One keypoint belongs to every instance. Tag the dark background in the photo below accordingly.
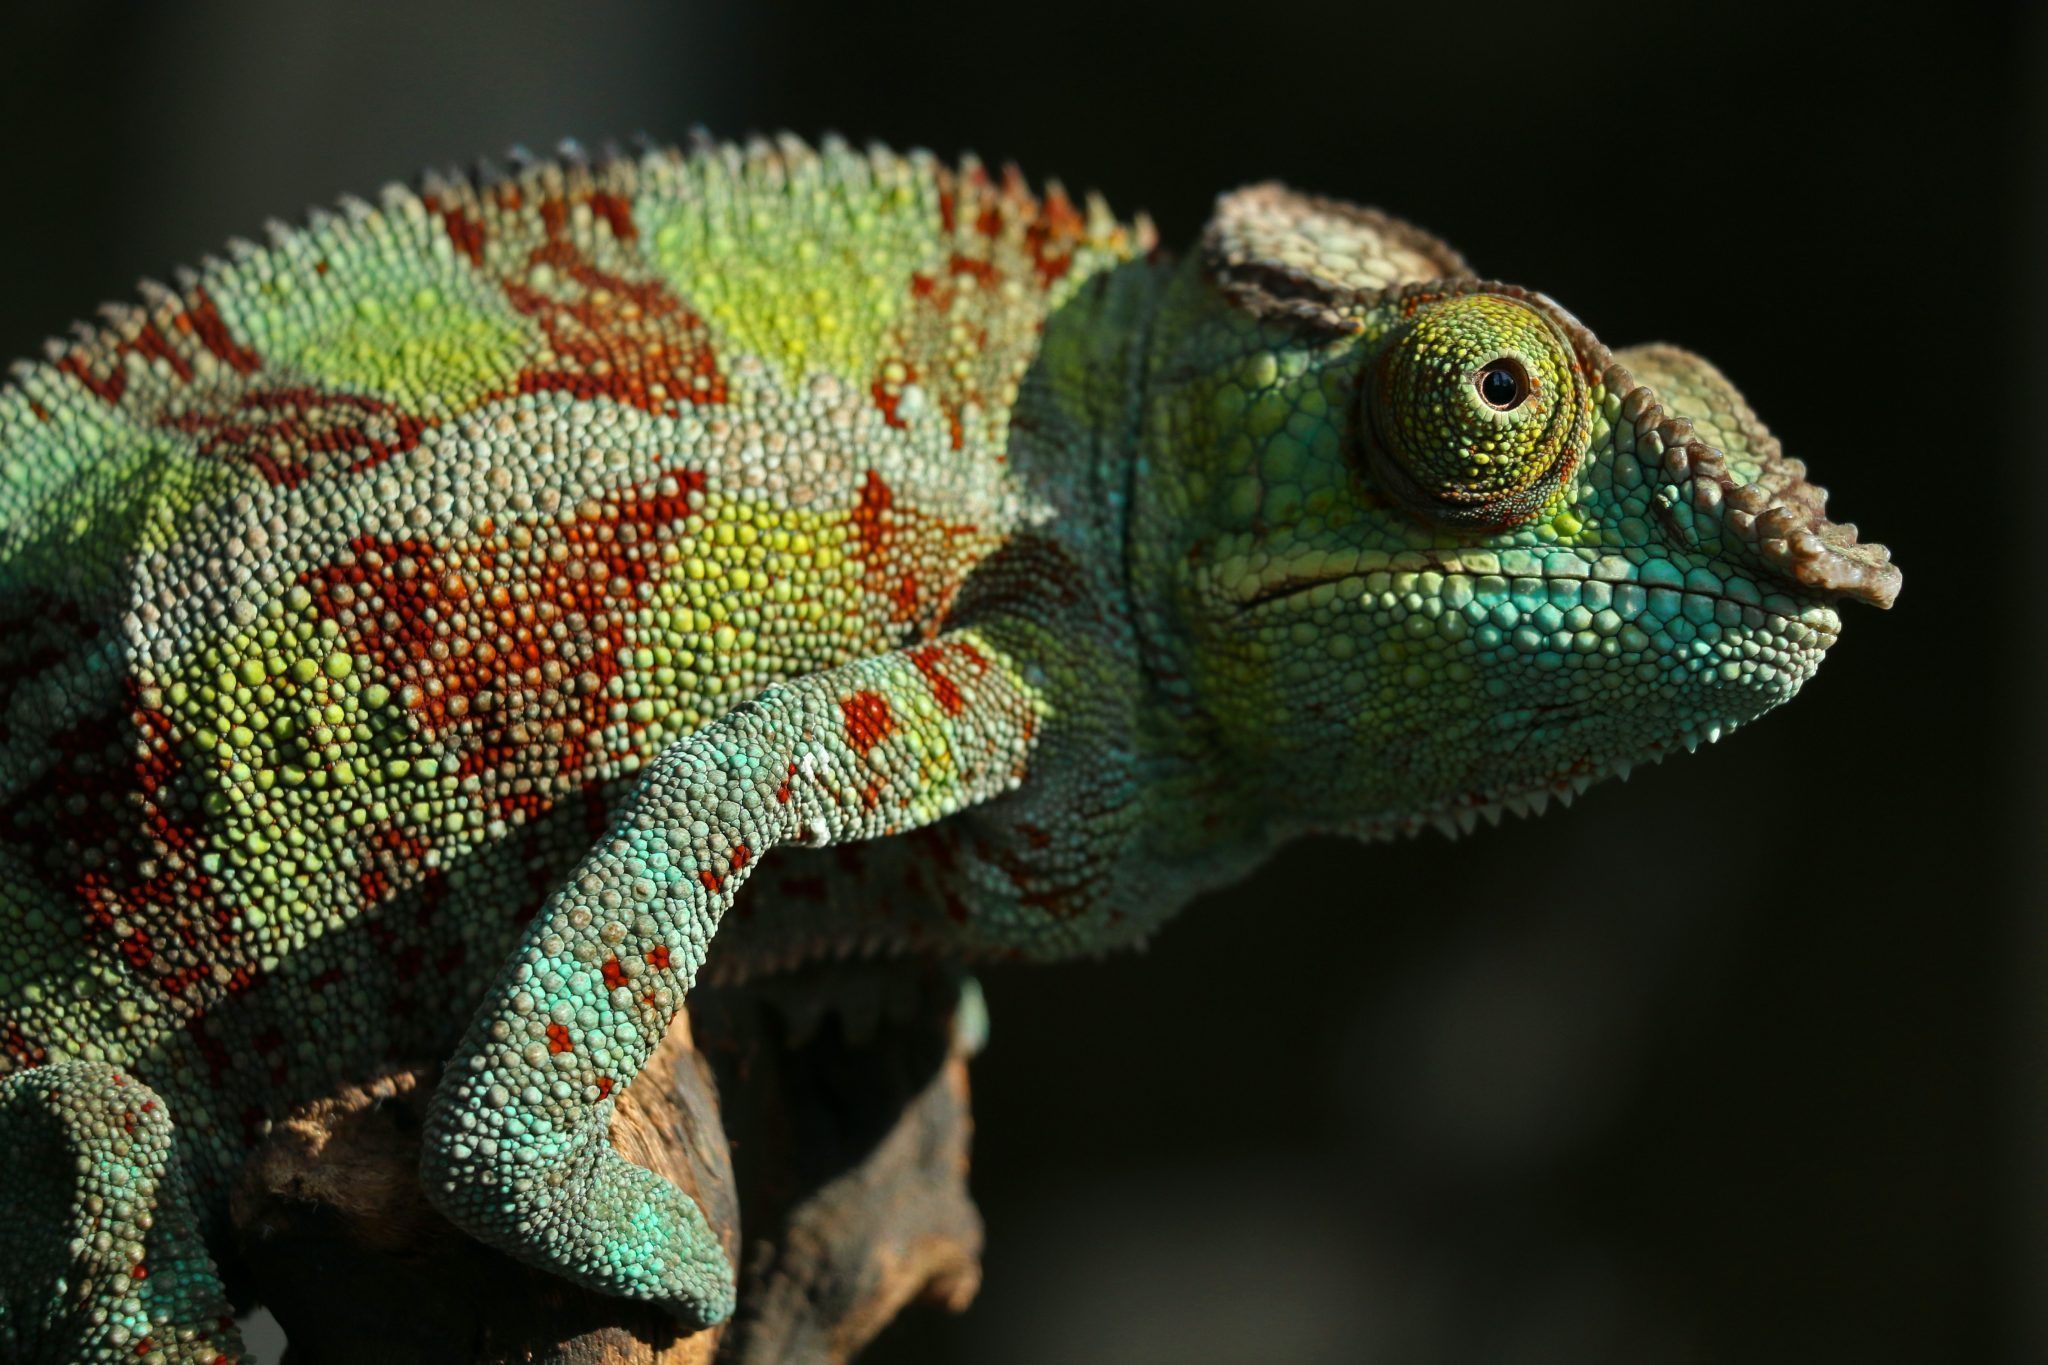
(1740, 1062)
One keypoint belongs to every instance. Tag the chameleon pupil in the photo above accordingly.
(1500, 385)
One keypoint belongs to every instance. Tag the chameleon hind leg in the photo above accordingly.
(100, 1253)
(517, 1145)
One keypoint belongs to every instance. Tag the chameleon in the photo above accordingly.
(417, 628)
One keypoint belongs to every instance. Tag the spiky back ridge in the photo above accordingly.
(644, 278)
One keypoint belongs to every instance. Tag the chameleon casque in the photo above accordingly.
(416, 630)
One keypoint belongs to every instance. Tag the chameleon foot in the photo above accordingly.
(568, 1202)
(100, 1255)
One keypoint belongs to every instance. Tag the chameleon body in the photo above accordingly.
(416, 630)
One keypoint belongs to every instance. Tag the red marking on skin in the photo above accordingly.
(503, 647)
(604, 1087)
(42, 413)
(138, 1271)
(871, 795)
(927, 660)
(983, 271)
(711, 880)
(895, 541)
(903, 597)
(20, 1048)
(887, 401)
(1015, 235)
(868, 720)
(1052, 237)
(739, 856)
(152, 344)
(291, 434)
(616, 214)
(783, 792)
(611, 335)
(658, 956)
(558, 1038)
(1067, 901)
(125, 810)
(614, 974)
(465, 230)
(395, 858)
(202, 319)
(868, 510)
(101, 365)
(108, 387)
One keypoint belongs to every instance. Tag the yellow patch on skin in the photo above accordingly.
(288, 740)
(813, 292)
(420, 344)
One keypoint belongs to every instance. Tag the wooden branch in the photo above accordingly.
(852, 1145)
(854, 1132)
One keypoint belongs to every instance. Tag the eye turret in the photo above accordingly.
(1478, 413)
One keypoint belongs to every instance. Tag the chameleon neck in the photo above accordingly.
(1092, 437)
(1216, 385)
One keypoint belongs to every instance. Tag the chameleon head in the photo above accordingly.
(1438, 551)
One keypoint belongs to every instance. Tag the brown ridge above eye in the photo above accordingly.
(1502, 385)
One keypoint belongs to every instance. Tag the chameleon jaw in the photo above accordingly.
(1463, 814)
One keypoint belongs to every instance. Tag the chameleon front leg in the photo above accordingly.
(100, 1254)
(517, 1147)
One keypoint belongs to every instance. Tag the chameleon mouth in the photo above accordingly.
(1819, 622)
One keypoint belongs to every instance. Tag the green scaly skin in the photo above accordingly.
(440, 612)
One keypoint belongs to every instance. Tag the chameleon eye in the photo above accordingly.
(1477, 413)
(1503, 384)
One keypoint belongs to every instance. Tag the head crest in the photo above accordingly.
(1314, 261)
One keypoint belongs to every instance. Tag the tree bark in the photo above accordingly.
(848, 1199)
